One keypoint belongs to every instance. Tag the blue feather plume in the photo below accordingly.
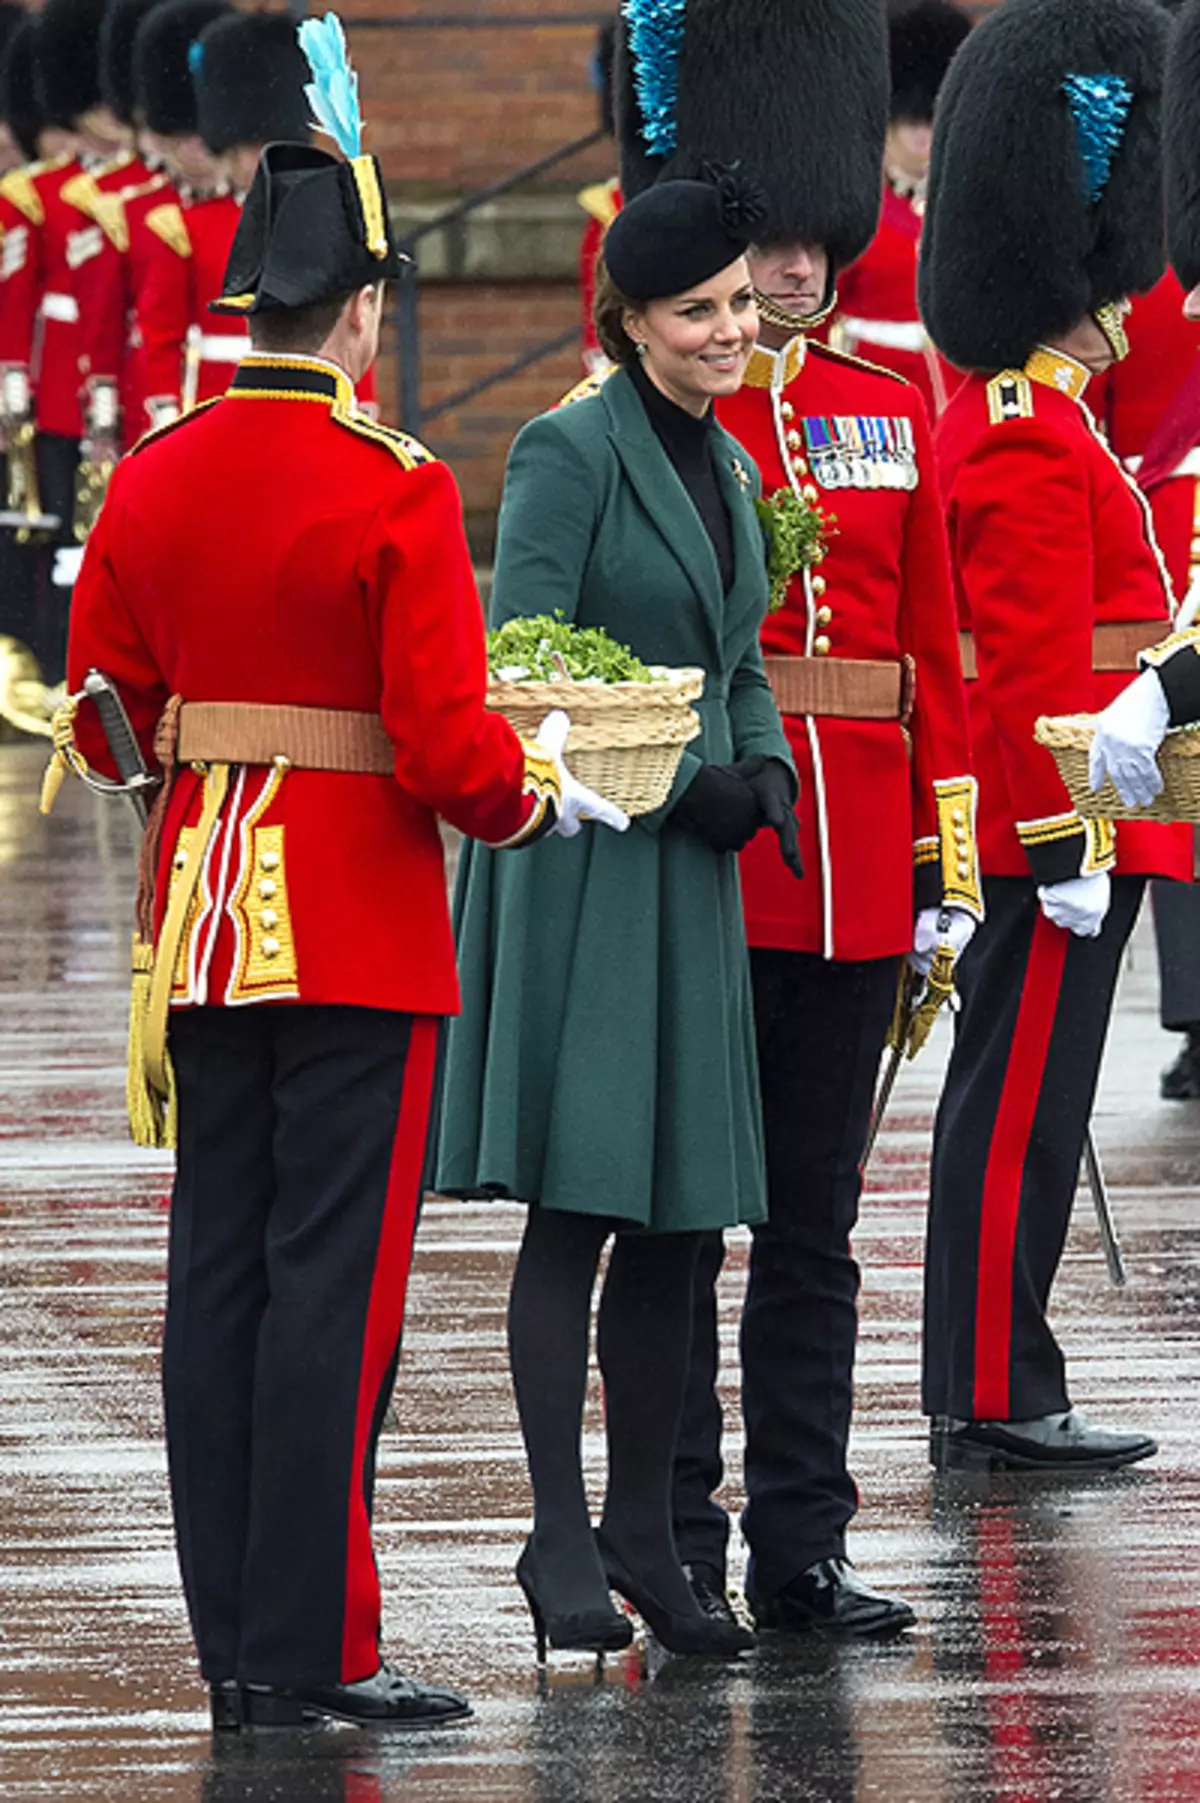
(1100, 106)
(333, 91)
(655, 35)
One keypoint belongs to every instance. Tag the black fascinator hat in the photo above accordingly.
(677, 234)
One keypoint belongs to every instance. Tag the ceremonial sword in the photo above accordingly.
(1109, 1237)
(122, 742)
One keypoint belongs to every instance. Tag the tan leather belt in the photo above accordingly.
(840, 688)
(1115, 648)
(310, 738)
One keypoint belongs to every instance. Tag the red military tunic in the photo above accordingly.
(601, 202)
(876, 799)
(1050, 539)
(189, 354)
(1136, 396)
(108, 281)
(877, 315)
(41, 313)
(336, 575)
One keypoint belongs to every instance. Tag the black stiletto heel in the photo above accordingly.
(585, 1631)
(699, 1635)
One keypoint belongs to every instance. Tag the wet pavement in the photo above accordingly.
(1058, 1652)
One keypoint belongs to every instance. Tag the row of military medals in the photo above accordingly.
(861, 451)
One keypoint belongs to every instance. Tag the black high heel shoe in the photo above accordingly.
(585, 1631)
(698, 1635)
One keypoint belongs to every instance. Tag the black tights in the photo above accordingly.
(643, 1344)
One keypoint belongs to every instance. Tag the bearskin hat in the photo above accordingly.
(923, 36)
(163, 53)
(602, 74)
(18, 95)
(66, 59)
(1181, 128)
(250, 82)
(795, 91)
(1045, 186)
(118, 35)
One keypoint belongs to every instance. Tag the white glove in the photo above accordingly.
(579, 803)
(1079, 905)
(1128, 733)
(957, 934)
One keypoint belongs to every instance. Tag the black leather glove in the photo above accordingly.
(773, 785)
(720, 807)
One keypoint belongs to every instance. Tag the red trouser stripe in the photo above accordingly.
(1006, 1169)
(385, 1316)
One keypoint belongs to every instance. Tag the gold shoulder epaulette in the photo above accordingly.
(18, 188)
(80, 191)
(1009, 396)
(583, 391)
(599, 200)
(876, 369)
(167, 223)
(407, 450)
(173, 425)
(108, 210)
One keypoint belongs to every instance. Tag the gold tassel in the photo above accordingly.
(152, 1116)
(64, 757)
(939, 987)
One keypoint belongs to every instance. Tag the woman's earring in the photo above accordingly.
(641, 350)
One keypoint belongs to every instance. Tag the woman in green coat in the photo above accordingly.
(603, 1068)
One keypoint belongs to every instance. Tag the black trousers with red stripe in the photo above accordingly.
(302, 1134)
(1007, 1149)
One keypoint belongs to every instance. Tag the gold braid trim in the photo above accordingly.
(542, 781)
(957, 799)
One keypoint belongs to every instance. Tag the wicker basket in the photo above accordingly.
(626, 737)
(1069, 737)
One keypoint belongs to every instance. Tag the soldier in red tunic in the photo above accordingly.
(106, 273)
(887, 801)
(39, 307)
(1044, 214)
(877, 296)
(312, 677)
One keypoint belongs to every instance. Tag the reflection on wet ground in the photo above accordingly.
(1058, 1655)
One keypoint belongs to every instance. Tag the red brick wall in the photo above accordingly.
(467, 330)
(455, 107)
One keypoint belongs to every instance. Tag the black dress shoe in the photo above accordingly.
(225, 1702)
(708, 1588)
(1180, 1082)
(385, 1701)
(1063, 1442)
(831, 1595)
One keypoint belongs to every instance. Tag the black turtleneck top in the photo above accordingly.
(688, 442)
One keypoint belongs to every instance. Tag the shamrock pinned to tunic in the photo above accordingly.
(796, 532)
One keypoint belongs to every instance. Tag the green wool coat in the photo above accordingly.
(604, 1060)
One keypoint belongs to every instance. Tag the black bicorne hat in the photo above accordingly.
(923, 37)
(250, 77)
(793, 91)
(1182, 140)
(313, 227)
(18, 95)
(66, 59)
(1045, 188)
(118, 35)
(162, 54)
(679, 233)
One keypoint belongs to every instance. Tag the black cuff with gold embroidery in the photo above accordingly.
(927, 874)
(1062, 846)
(1177, 664)
(543, 783)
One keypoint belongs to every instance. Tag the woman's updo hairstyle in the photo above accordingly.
(608, 315)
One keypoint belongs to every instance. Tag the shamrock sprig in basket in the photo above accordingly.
(629, 721)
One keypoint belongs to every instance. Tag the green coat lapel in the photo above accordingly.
(664, 497)
(749, 551)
